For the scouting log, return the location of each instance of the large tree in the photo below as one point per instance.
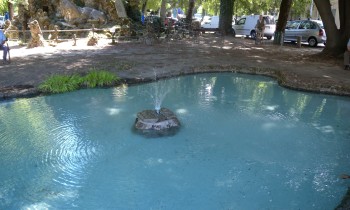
(226, 13)
(336, 38)
(163, 11)
(282, 20)
(189, 14)
(10, 9)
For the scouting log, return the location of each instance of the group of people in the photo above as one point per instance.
(4, 47)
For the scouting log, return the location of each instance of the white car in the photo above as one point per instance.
(2, 21)
(246, 26)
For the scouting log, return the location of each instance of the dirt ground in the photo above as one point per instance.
(298, 68)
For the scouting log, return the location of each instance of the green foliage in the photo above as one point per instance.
(64, 83)
(299, 8)
(60, 84)
(212, 7)
(3, 7)
(99, 78)
(248, 7)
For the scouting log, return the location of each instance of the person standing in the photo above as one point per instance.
(260, 27)
(347, 57)
(3, 47)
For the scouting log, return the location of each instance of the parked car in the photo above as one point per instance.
(2, 21)
(310, 31)
(246, 26)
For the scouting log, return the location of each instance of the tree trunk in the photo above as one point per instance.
(282, 21)
(336, 38)
(189, 14)
(144, 4)
(163, 11)
(10, 9)
(119, 6)
(344, 15)
(226, 13)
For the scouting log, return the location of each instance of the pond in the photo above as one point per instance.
(244, 143)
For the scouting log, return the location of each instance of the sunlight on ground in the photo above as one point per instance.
(243, 48)
(258, 48)
(19, 50)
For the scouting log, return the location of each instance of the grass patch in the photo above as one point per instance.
(64, 83)
(99, 78)
(60, 84)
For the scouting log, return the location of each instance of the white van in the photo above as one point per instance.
(246, 26)
(210, 22)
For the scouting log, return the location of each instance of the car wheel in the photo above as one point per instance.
(269, 37)
(253, 35)
(312, 42)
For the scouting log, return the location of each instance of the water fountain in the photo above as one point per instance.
(160, 120)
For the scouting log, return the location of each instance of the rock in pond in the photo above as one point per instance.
(163, 123)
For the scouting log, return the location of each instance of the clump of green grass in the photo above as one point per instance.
(60, 84)
(99, 78)
(64, 83)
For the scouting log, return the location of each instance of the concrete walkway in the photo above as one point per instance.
(293, 67)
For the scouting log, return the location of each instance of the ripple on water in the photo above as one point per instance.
(69, 156)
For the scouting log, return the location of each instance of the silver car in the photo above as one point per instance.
(310, 31)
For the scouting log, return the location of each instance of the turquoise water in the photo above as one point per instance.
(245, 143)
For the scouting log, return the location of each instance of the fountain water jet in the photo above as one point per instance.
(160, 119)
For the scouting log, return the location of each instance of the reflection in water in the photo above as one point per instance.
(243, 139)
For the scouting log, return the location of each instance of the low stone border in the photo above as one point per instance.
(285, 79)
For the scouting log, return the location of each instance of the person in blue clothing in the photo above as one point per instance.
(3, 47)
(7, 16)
